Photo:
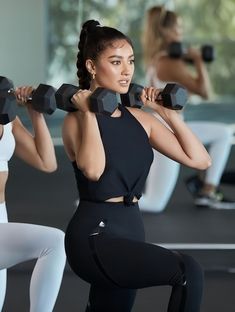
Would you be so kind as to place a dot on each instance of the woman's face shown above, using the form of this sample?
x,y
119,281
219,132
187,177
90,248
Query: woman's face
x,y
175,33
115,67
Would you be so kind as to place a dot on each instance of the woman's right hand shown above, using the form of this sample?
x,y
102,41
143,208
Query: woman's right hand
x,y
151,98
23,94
193,54
81,100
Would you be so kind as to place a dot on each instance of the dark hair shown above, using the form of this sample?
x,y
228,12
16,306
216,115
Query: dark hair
x,y
94,39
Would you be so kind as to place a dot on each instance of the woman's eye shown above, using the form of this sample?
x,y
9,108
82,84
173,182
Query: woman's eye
x,y
132,61
116,62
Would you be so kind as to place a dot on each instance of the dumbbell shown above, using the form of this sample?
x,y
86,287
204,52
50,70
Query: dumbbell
x,y
7,103
178,50
173,96
42,99
101,100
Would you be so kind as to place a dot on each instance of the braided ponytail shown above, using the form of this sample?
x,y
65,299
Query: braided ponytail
x,y
82,73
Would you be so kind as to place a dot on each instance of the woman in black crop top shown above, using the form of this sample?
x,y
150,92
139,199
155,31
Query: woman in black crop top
x,y
111,157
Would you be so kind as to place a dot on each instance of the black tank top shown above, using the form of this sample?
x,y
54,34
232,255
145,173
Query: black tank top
x,y
128,159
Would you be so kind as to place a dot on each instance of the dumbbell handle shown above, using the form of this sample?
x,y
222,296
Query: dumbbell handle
x,y
12,91
42,98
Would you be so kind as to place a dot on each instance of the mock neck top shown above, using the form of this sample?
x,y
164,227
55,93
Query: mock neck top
x,y
128,156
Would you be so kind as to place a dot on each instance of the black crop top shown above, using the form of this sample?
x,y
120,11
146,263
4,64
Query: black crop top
x,y
128,159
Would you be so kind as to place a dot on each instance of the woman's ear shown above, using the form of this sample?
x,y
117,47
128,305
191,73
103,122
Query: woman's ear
x,y
90,66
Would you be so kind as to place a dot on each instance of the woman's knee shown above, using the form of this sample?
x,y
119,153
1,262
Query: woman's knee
x,y
56,239
193,270
226,133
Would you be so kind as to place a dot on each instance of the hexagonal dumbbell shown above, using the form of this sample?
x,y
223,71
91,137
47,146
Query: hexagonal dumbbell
x,y
101,100
8,109
179,50
173,96
63,96
7,104
132,97
42,99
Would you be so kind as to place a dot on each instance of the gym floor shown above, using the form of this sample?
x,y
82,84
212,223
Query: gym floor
x,y
52,203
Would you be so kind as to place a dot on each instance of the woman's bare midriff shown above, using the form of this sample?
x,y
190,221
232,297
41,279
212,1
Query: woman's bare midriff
x,y
3,181
119,199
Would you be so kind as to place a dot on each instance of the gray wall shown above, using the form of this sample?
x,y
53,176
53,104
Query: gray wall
x,y
23,50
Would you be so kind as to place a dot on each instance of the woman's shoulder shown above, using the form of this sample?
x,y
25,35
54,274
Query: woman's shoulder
x,y
169,68
143,117
161,62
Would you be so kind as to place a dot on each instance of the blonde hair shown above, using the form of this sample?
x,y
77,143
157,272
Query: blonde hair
x,y
157,19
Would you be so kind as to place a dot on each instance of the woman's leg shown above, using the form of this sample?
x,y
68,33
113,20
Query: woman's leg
x,y
3,272
21,242
129,264
218,137
161,180
160,183
107,300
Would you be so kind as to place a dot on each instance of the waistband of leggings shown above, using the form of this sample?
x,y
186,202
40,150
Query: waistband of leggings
x,y
3,205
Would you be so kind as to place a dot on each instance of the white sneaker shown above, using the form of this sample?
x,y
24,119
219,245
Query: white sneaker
x,y
214,201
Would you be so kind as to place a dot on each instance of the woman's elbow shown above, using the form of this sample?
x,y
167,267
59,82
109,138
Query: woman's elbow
x,y
52,168
93,175
49,168
204,164
205,95
204,92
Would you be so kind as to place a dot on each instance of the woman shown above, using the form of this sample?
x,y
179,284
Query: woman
x,y
111,156
162,28
21,242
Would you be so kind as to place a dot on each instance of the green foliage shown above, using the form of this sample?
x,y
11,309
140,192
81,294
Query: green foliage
x,y
205,21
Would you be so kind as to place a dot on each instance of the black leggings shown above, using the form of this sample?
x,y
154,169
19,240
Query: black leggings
x,y
105,246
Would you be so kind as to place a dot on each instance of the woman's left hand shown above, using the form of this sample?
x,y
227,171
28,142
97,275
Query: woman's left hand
x,y
23,94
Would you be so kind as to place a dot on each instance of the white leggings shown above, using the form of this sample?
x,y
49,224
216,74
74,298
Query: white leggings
x,y
20,242
164,171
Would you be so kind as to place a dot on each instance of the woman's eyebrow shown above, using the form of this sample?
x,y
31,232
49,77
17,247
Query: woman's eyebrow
x,y
119,56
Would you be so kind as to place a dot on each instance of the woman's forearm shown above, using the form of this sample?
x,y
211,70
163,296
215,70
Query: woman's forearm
x,y
203,79
43,141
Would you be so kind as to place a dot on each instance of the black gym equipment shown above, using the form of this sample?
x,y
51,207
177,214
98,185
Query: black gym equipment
x,y
102,101
179,50
42,100
7,104
173,96
105,101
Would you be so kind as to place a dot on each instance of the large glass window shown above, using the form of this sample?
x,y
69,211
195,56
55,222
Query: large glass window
x,y
205,21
